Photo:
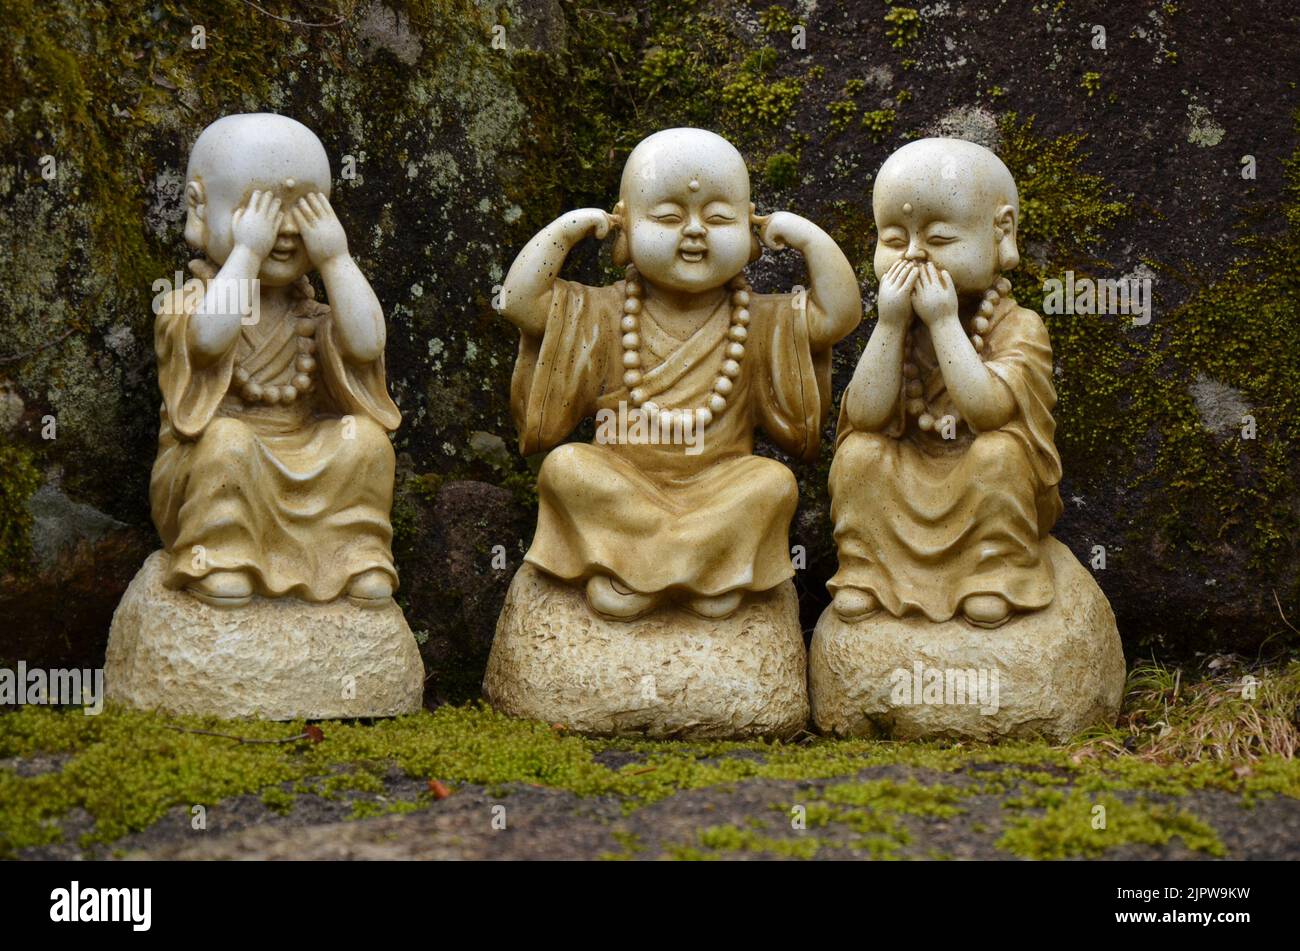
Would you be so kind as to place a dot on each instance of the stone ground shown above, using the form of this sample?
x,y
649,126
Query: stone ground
x,y
548,823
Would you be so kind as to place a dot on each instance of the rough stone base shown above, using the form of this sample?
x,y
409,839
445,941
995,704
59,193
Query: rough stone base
x,y
668,674
1059,670
274,658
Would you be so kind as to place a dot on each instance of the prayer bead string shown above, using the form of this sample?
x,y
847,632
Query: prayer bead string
x,y
733,354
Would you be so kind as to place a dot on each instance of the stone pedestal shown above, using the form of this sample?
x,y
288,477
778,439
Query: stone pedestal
x,y
668,674
274,658
1048,673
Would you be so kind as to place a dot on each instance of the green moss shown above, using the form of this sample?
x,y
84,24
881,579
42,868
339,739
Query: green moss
x,y
911,798
1019,775
843,112
127,769
871,829
871,811
1090,83
845,109
903,26
1124,392
1071,827
629,841
1064,213
1037,798
1222,489
730,838
19,480
1061,203
615,82
777,21
879,123
49,70
781,171
755,99
278,800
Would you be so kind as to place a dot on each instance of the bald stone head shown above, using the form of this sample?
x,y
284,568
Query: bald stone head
x,y
240,154
951,202
684,203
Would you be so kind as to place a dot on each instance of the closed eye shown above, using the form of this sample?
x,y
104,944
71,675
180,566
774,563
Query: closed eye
x,y
667,219
942,238
721,219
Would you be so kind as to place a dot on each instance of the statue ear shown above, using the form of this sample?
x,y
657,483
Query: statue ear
x,y
620,252
755,245
1004,224
196,215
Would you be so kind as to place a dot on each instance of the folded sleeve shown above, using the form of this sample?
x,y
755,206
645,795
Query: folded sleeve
x,y
356,388
1022,359
794,387
191,391
560,375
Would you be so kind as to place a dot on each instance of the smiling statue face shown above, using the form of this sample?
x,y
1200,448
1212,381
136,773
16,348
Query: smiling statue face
x,y
239,154
685,196
950,202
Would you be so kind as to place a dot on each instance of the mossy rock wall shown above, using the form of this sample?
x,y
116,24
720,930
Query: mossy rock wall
x,y
466,138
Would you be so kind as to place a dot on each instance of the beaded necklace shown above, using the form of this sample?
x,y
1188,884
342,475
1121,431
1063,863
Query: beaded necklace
x,y
253,390
733,354
258,391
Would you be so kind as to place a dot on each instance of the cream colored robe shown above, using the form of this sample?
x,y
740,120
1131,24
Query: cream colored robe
x,y
649,515
295,494
922,522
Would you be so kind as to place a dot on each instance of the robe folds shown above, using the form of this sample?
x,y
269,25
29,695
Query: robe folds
x,y
924,522
297,494
644,512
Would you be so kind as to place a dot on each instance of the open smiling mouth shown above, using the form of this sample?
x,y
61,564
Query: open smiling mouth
x,y
693,255
279,253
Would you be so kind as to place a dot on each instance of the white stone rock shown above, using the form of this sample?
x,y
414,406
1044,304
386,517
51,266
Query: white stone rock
x,y
671,673
274,658
1058,671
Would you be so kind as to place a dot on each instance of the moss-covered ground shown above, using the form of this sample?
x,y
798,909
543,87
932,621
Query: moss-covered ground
x,y
1204,768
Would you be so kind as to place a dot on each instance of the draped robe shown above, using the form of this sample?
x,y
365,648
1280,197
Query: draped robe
x,y
923,522
297,494
647,514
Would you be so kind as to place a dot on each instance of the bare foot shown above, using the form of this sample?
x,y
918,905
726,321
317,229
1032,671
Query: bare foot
x,y
715,606
986,610
371,587
854,604
223,589
611,599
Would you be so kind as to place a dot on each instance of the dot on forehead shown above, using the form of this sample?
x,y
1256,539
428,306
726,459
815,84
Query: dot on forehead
x,y
961,170
261,149
685,158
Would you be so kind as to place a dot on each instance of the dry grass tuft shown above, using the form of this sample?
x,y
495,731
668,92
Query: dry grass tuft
x,y
1234,711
